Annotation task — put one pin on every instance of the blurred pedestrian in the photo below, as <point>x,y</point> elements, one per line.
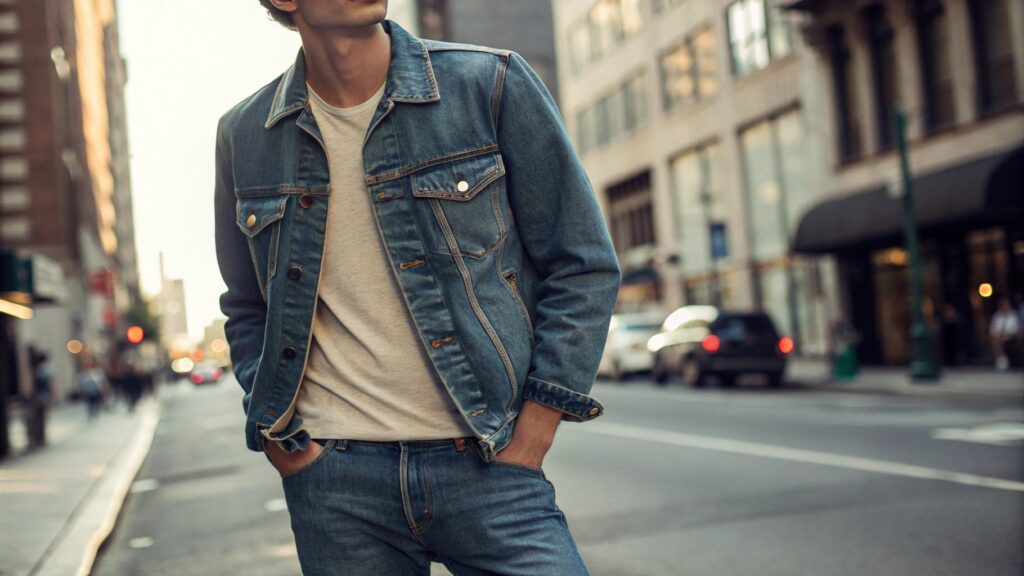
<point>39,401</point>
<point>92,384</point>
<point>459,220</point>
<point>1005,329</point>
<point>952,340</point>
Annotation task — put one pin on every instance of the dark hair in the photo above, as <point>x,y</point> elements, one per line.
<point>283,18</point>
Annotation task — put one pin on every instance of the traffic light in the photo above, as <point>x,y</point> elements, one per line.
<point>135,334</point>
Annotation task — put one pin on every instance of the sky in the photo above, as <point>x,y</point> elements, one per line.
<point>188,62</point>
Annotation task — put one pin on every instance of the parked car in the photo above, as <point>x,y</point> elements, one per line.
<point>704,342</point>
<point>625,351</point>
<point>205,372</point>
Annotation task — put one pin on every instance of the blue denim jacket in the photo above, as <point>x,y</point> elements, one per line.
<point>488,219</point>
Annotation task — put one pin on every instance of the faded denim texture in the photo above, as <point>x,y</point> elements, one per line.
<point>488,219</point>
<point>406,504</point>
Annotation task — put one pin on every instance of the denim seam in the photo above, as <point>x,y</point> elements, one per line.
<point>400,173</point>
<point>474,303</point>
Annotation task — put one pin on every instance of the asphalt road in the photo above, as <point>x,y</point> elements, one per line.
<point>669,481</point>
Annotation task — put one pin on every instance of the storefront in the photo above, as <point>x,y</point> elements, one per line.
<point>971,223</point>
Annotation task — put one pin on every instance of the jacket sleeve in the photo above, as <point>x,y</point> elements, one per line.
<point>565,236</point>
<point>242,303</point>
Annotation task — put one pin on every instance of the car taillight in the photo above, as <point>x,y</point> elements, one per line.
<point>785,345</point>
<point>197,379</point>
<point>711,343</point>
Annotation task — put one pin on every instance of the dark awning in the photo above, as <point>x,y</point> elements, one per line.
<point>986,190</point>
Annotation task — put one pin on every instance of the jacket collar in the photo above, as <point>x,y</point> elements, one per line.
<point>410,77</point>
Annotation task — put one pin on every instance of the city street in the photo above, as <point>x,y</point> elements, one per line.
<point>669,481</point>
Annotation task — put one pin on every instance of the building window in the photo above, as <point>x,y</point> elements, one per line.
<point>937,71</point>
<point>993,53</point>
<point>619,112</point>
<point>631,213</point>
<point>689,70</point>
<point>882,45</point>
<point>776,181</point>
<point>699,199</point>
<point>846,102</point>
<point>757,35</point>
<point>606,25</point>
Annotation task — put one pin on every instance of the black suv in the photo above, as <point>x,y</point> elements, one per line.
<point>700,342</point>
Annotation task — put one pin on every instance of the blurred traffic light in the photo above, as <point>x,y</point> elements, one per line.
<point>135,334</point>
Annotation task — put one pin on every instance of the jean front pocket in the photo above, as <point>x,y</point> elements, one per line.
<point>515,466</point>
<point>466,197</point>
<point>325,451</point>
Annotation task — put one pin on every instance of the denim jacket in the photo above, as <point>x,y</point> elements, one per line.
<point>487,217</point>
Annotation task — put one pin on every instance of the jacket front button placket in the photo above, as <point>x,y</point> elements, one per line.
<point>295,272</point>
<point>289,353</point>
<point>462,186</point>
<point>306,200</point>
<point>251,220</point>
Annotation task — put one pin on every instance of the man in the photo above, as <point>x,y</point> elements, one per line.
<point>419,288</point>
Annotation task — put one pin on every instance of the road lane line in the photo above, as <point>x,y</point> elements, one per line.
<point>798,455</point>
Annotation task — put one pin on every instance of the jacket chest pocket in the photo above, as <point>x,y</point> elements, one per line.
<point>259,218</point>
<point>466,198</point>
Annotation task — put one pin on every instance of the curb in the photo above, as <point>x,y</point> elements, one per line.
<point>930,390</point>
<point>94,519</point>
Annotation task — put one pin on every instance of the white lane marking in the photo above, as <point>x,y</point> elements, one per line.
<point>143,542</point>
<point>798,455</point>
<point>144,485</point>
<point>996,434</point>
<point>276,505</point>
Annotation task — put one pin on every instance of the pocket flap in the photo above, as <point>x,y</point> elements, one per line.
<point>254,213</point>
<point>459,180</point>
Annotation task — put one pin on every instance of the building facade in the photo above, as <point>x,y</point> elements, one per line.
<point>694,120</point>
<point>956,68</point>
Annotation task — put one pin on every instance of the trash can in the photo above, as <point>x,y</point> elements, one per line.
<point>846,363</point>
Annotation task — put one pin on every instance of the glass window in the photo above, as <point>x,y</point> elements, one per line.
<point>579,45</point>
<point>632,17</point>
<point>584,130</point>
<point>881,39</point>
<point>635,96</point>
<point>706,63</point>
<point>756,35</point>
<point>845,99</point>
<point>780,33</point>
<point>678,82</point>
<point>937,70</point>
<point>993,47</point>
<point>790,136</point>
<point>699,201</point>
<point>764,192</point>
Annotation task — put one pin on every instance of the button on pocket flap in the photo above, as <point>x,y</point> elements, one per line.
<point>257,212</point>
<point>458,180</point>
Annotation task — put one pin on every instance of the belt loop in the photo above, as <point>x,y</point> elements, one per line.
<point>460,444</point>
<point>341,444</point>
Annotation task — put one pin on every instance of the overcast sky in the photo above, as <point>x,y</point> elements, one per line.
<point>188,62</point>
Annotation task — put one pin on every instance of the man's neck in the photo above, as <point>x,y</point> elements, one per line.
<point>347,67</point>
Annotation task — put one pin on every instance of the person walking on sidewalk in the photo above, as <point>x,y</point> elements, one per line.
<point>1005,329</point>
<point>39,401</point>
<point>92,384</point>
<point>419,285</point>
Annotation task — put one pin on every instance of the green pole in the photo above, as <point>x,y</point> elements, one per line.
<point>922,362</point>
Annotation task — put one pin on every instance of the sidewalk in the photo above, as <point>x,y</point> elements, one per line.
<point>813,373</point>
<point>59,503</point>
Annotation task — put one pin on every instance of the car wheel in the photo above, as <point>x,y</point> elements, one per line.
<point>658,372</point>
<point>693,374</point>
<point>774,379</point>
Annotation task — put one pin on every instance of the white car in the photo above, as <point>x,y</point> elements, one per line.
<point>626,351</point>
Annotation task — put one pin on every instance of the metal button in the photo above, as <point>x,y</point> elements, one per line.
<point>289,353</point>
<point>295,272</point>
<point>462,185</point>
<point>594,411</point>
<point>306,200</point>
<point>251,220</point>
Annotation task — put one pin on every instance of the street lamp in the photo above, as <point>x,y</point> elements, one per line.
<point>922,361</point>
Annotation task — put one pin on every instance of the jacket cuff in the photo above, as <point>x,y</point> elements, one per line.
<point>576,407</point>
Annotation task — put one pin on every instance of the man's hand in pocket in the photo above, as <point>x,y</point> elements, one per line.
<point>288,462</point>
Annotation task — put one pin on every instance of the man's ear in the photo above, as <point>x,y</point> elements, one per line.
<point>289,6</point>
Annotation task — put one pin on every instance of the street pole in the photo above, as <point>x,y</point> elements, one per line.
<point>922,362</point>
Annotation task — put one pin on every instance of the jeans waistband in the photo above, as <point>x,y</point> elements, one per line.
<point>459,443</point>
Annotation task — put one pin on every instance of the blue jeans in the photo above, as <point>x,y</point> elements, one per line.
<point>390,508</point>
